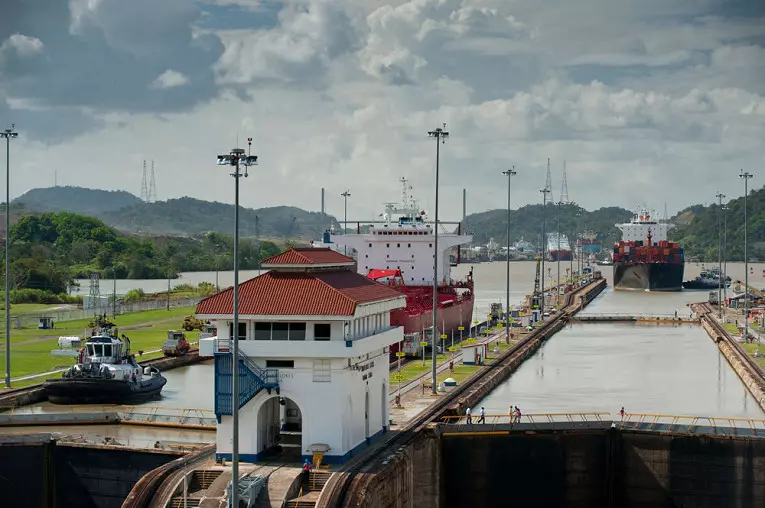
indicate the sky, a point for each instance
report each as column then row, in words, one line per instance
column 647, row 101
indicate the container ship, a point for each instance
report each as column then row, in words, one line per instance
column 558, row 247
column 398, row 251
column 588, row 244
column 644, row 259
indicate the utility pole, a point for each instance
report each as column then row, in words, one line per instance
column 345, row 195
column 720, row 280
column 510, row 173
column 440, row 135
column 169, row 274
column 557, row 284
column 544, row 192
column 746, row 176
column 114, row 292
column 236, row 158
column 8, row 134
column 725, row 249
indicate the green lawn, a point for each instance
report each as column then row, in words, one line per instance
column 20, row 309
column 751, row 348
column 34, row 357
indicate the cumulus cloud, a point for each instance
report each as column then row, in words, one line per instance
column 644, row 99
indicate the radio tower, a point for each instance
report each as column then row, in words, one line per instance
column 144, row 185
column 548, row 184
column 152, row 186
column 564, row 186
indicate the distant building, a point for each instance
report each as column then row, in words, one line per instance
column 314, row 340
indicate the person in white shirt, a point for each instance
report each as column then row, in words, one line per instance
column 467, row 414
column 482, row 419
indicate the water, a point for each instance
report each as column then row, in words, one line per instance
column 595, row 367
column 645, row 368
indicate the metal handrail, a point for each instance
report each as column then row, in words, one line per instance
column 270, row 377
column 529, row 418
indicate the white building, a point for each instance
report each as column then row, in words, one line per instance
column 314, row 341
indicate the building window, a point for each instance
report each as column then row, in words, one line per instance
column 387, row 245
column 242, row 330
column 410, row 246
column 297, row 331
column 280, row 331
column 322, row 371
column 321, row 331
column 262, row 331
column 398, row 245
column 280, row 364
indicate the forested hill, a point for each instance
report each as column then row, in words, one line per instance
column 184, row 216
column 527, row 221
column 696, row 228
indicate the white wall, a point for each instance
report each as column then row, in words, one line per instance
column 332, row 412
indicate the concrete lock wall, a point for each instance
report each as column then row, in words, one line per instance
column 49, row 475
column 589, row 468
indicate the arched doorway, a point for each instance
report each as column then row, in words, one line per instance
column 280, row 428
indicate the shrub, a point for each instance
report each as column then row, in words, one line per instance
column 135, row 295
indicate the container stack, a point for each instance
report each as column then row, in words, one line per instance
column 640, row 252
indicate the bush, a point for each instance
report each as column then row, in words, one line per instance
column 135, row 295
column 184, row 288
column 42, row 296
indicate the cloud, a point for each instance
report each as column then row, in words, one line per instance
column 648, row 101
column 101, row 56
column 170, row 79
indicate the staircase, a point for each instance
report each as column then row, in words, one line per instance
column 252, row 378
column 315, row 484
column 317, row 480
column 200, row 481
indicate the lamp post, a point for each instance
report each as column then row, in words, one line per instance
column 236, row 158
column 510, row 173
column 8, row 134
column 345, row 195
column 440, row 135
column 720, row 281
column 746, row 175
column 114, row 292
column 544, row 192
column 557, row 282
column 725, row 249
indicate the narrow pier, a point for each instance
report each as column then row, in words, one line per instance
column 633, row 318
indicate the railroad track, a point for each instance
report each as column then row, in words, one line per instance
column 737, row 349
column 351, row 478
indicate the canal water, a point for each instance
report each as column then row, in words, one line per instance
column 592, row 367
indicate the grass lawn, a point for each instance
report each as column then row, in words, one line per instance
column 34, row 357
column 731, row 328
column 20, row 309
column 751, row 348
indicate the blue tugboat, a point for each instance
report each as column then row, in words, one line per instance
column 106, row 373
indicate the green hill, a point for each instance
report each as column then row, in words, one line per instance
column 526, row 222
column 696, row 228
column 184, row 216
column 93, row 202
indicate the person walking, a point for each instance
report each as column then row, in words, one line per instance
column 621, row 412
column 467, row 415
column 306, row 472
column 482, row 419
column 517, row 415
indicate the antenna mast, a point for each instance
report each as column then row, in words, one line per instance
column 152, row 186
column 564, row 186
column 548, row 183
column 144, row 185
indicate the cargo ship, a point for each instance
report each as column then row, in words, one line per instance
column 558, row 247
column 398, row 251
column 644, row 259
column 588, row 243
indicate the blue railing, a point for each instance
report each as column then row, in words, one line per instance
column 252, row 378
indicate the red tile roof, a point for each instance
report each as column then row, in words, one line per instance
column 307, row 256
column 299, row 294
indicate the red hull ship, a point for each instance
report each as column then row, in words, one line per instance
column 399, row 252
column 455, row 304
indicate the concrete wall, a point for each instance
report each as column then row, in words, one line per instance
column 589, row 468
column 49, row 475
column 333, row 408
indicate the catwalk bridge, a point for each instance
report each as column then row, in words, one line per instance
column 668, row 319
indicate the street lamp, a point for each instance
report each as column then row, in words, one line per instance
column 720, row 281
column 725, row 250
column 544, row 192
column 510, row 173
column 345, row 195
column 236, row 158
column 557, row 283
column 440, row 135
column 8, row 134
column 746, row 176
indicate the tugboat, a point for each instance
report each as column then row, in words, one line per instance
column 106, row 373
column 708, row 279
